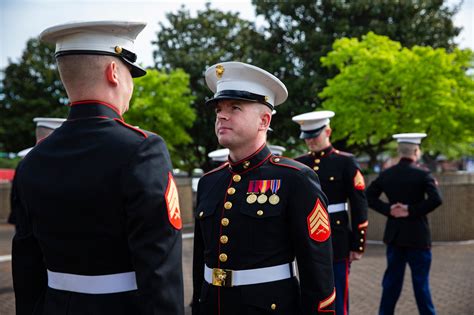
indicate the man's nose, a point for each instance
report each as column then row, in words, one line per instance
column 222, row 116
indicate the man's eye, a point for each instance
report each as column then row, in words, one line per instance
column 235, row 107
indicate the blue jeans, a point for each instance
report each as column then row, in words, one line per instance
column 419, row 261
column 341, row 280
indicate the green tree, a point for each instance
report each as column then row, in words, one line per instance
column 30, row 88
column 298, row 33
column 193, row 43
column 162, row 103
column 383, row 88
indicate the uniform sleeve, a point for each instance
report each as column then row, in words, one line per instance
column 432, row 201
column 310, row 229
column 155, row 243
column 355, row 184
column 28, row 269
column 198, row 262
column 373, row 197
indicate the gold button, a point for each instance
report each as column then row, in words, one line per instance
column 201, row 214
column 338, row 222
column 361, row 248
column 223, row 257
column 362, row 240
column 317, row 161
column 276, row 160
column 225, row 222
column 236, row 178
column 260, row 212
column 118, row 49
column 316, row 168
column 322, row 153
column 228, row 205
column 362, row 232
column 224, row 239
column 331, row 178
column 231, row 191
column 246, row 164
column 273, row 306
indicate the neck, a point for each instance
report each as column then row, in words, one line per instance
column 99, row 96
column 323, row 147
column 412, row 158
column 237, row 154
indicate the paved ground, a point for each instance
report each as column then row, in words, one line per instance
column 452, row 279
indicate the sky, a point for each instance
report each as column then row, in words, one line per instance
column 21, row 20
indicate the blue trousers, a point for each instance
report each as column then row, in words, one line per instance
column 419, row 261
column 341, row 280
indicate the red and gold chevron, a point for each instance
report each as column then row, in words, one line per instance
column 172, row 203
column 326, row 302
column 359, row 182
column 318, row 223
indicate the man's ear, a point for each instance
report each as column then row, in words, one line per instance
column 328, row 132
column 111, row 73
column 265, row 119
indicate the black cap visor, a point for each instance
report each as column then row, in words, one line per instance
column 125, row 56
column 308, row 134
column 238, row 95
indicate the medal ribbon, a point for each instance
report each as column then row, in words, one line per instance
column 275, row 185
column 264, row 186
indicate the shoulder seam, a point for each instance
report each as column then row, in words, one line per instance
column 285, row 165
column 216, row 169
column 131, row 127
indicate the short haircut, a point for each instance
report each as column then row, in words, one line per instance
column 82, row 71
column 407, row 149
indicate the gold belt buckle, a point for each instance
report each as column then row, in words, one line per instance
column 221, row 277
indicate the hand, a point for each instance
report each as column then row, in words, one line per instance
column 355, row 256
column 399, row 210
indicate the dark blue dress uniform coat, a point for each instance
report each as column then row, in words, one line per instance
column 409, row 184
column 231, row 233
column 91, row 200
column 342, row 181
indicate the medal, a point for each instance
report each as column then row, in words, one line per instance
column 251, row 198
column 274, row 199
column 262, row 198
column 274, row 185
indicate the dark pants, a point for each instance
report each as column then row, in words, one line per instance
column 341, row 280
column 419, row 261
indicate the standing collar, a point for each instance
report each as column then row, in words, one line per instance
column 252, row 161
column 93, row 109
column 405, row 160
column 323, row 153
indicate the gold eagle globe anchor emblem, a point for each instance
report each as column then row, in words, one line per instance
column 219, row 71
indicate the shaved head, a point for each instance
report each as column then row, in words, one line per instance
column 82, row 71
column 407, row 149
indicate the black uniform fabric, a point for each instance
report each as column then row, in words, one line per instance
column 90, row 201
column 12, row 216
column 409, row 184
column 261, row 235
column 342, row 181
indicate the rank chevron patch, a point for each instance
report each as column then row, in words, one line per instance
column 359, row 182
column 172, row 203
column 318, row 223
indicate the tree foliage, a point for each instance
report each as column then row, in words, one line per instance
column 383, row 88
column 298, row 33
column 30, row 88
column 162, row 103
column 193, row 43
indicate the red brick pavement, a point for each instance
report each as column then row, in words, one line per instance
column 452, row 280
